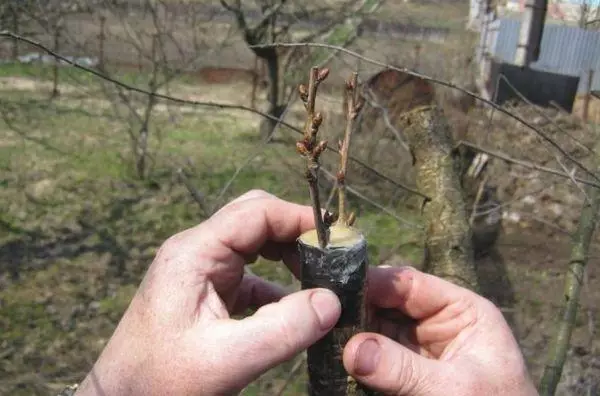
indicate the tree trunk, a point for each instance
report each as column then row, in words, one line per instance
column 448, row 242
column 272, row 61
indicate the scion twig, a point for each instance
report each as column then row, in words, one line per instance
column 310, row 148
column 352, row 109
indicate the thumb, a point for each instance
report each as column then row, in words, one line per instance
column 279, row 331
column 386, row 366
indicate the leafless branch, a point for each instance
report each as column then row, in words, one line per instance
column 250, row 158
column 490, row 103
column 181, row 101
column 196, row 195
column 372, row 202
column 524, row 163
column 543, row 114
column 292, row 373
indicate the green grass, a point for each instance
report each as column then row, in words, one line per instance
column 79, row 229
column 73, row 75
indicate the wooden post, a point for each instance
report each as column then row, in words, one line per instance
column 588, row 96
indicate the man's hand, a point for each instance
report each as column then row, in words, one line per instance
column 177, row 337
column 444, row 340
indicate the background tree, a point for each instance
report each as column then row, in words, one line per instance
column 264, row 22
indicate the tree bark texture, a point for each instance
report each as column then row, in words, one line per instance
column 448, row 239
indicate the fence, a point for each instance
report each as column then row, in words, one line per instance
column 565, row 50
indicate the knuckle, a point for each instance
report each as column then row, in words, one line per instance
column 170, row 245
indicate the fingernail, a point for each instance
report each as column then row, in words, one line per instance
column 367, row 357
column 327, row 307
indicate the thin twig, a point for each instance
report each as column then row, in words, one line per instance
column 182, row 101
column 196, row 195
column 477, row 199
column 529, row 125
column 368, row 200
column 543, row 114
column 527, row 101
column 297, row 366
column 352, row 110
column 251, row 157
column 386, row 118
column 311, row 149
column 525, row 164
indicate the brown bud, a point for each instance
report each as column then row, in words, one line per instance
column 317, row 120
column 322, row 146
column 301, row 148
column 350, row 85
column 351, row 219
column 358, row 107
column 323, row 73
column 303, row 91
column 340, row 144
column 341, row 177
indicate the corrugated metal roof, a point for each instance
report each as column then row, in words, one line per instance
column 564, row 50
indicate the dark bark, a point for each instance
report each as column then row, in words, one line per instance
column 342, row 268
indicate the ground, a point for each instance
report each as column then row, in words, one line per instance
column 78, row 229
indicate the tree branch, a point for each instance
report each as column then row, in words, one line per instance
column 131, row 88
column 573, row 283
column 526, row 164
column 490, row 103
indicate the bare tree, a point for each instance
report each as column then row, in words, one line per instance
column 161, row 43
column 271, row 21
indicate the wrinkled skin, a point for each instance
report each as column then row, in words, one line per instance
column 178, row 338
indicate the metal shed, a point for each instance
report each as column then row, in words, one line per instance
column 566, row 50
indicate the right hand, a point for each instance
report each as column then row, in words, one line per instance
column 451, row 342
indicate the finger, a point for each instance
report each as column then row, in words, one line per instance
column 218, row 248
column 252, row 194
column 413, row 292
column 286, row 252
column 254, row 292
column 245, row 226
column 274, row 334
column 388, row 367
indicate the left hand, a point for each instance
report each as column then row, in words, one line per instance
column 177, row 336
